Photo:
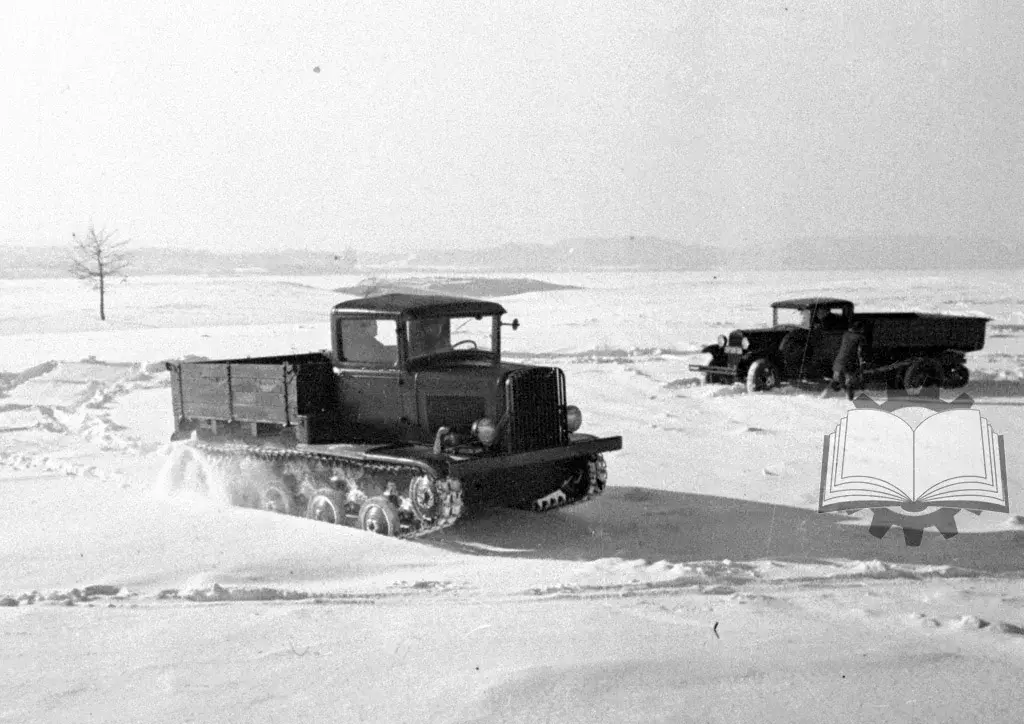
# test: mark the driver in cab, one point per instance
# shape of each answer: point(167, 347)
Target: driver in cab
point(427, 336)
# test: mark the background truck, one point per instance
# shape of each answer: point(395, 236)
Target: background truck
point(410, 416)
point(906, 350)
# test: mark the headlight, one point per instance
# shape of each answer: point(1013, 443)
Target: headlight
point(484, 430)
point(722, 340)
point(745, 344)
point(573, 418)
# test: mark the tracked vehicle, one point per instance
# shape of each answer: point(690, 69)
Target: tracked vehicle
point(411, 418)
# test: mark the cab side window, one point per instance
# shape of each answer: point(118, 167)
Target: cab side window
point(372, 342)
point(836, 319)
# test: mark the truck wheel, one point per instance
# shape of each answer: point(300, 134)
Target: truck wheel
point(379, 515)
point(762, 375)
point(327, 506)
point(922, 373)
point(956, 376)
point(277, 499)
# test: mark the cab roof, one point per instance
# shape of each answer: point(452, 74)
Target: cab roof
point(419, 305)
point(809, 302)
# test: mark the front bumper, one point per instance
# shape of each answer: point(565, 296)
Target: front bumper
point(720, 370)
point(580, 447)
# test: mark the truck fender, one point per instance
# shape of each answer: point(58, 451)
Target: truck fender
point(436, 468)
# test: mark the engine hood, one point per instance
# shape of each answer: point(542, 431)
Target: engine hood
point(759, 338)
point(466, 373)
point(456, 396)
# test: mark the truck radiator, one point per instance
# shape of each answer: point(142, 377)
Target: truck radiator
point(535, 406)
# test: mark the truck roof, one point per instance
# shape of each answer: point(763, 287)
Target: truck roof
point(420, 305)
point(809, 302)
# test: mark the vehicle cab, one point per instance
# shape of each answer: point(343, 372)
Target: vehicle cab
point(813, 313)
point(817, 325)
point(408, 366)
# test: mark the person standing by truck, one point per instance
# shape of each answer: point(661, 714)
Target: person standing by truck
point(847, 369)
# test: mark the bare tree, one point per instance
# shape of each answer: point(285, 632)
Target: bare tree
point(98, 258)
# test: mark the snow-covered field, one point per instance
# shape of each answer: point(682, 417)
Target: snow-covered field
point(703, 586)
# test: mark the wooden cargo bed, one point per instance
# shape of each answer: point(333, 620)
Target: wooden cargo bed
point(910, 330)
point(274, 390)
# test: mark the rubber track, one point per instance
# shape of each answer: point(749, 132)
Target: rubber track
point(449, 488)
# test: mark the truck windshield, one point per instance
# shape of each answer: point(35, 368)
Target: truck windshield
point(794, 317)
point(447, 335)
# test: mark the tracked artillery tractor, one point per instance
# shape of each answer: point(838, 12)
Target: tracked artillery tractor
point(411, 418)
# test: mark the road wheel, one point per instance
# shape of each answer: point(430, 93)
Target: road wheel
point(956, 376)
point(379, 515)
point(327, 506)
point(922, 373)
point(763, 375)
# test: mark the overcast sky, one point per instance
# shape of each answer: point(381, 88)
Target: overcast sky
point(463, 123)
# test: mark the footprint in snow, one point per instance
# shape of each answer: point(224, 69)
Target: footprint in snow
point(974, 623)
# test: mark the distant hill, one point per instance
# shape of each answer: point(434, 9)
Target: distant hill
point(456, 286)
point(656, 254)
point(645, 253)
point(900, 252)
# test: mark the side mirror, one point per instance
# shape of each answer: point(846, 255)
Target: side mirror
point(514, 325)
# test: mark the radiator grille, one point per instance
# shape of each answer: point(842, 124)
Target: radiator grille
point(535, 406)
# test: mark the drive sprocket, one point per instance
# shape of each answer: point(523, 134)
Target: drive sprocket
point(585, 483)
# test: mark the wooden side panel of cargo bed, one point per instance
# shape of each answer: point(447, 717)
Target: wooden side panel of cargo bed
point(927, 331)
point(263, 393)
point(204, 391)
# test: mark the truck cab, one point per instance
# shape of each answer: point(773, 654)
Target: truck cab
point(814, 327)
point(407, 365)
point(428, 370)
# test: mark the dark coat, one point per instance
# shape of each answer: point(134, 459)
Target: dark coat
point(851, 348)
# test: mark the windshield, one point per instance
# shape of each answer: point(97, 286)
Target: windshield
point(450, 334)
point(795, 317)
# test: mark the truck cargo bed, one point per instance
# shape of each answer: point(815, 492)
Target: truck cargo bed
point(910, 330)
point(276, 390)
